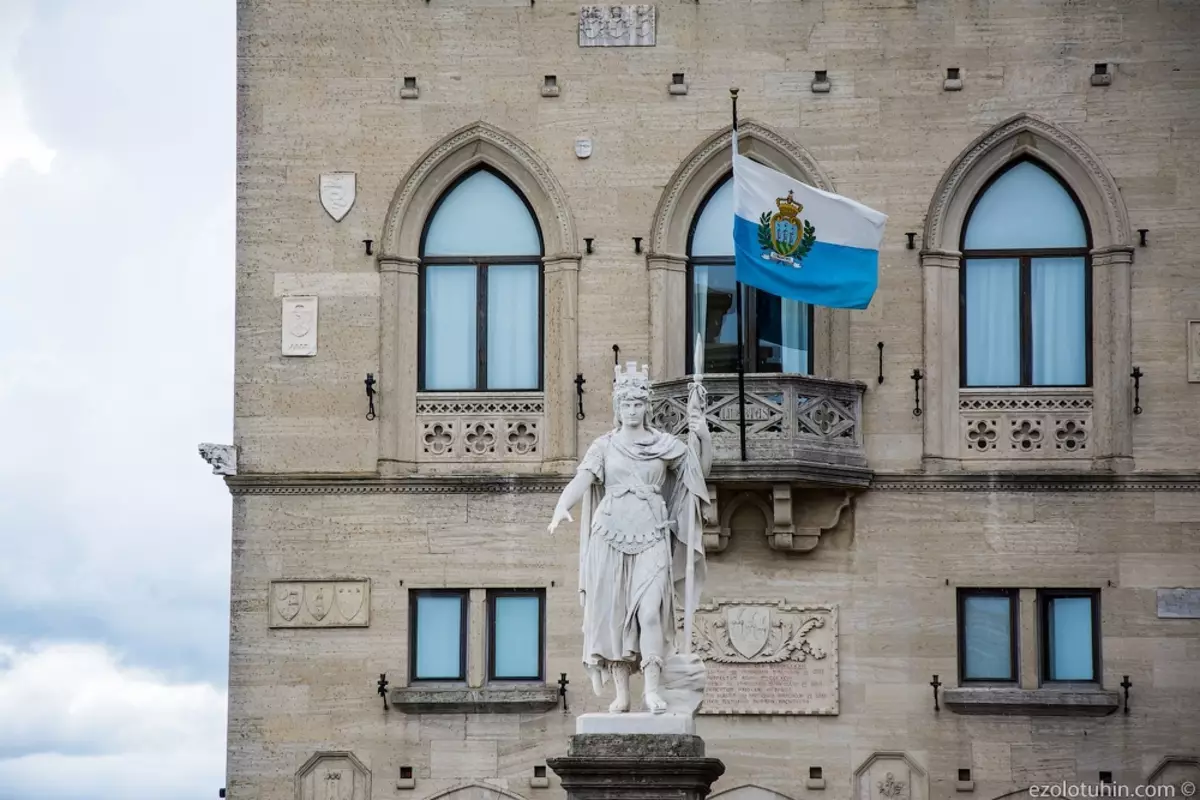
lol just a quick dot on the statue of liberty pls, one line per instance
(644, 496)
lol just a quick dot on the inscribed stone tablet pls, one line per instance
(1179, 603)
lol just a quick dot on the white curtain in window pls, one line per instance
(512, 327)
(1071, 639)
(450, 326)
(699, 312)
(1058, 318)
(794, 333)
(439, 637)
(987, 626)
(993, 322)
(518, 631)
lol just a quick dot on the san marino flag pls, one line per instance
(802, 243)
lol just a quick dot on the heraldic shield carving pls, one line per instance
(337, 193)
(320, 604)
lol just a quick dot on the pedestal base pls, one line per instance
(636, 766)
(636, 722)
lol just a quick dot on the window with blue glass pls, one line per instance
(481, 290)
(777, 333)
(516, 634)
(438, 635)
(1026, 284)
(987, 635)
(1070, 625)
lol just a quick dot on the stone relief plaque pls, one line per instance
(617, 26)
(767, 657)
(1179, 603)
(890, 776)
(333, 776)
(299, 326)
(320, 604)
(337, 191)
(1177, 771)
(1193, 350)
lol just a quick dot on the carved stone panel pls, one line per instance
(890, 776)
(457, 428)
(1179, 603)
(300, 326)
(1026, 424)
(617, 26)
(765, 657)
(337, 190)
(1193, 350)
(320, 604)
(334, 775)
(1177, 771)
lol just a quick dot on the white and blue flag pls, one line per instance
(802, 243)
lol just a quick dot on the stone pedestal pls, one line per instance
(636, 766)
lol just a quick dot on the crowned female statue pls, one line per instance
(640, 546)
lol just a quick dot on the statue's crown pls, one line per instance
(788, 207)
(632, 377)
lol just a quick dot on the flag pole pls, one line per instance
(741, 366)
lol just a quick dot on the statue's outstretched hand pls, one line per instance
(559, 515)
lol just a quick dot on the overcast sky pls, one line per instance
(116, 360)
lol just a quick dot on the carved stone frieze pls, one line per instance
(767, 657)
(890, 776)
(491, 427)
(333, 775)
(1026, 424)
(320, 604)
(617, 26)
(221, 457)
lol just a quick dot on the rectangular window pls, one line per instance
(1026, 321)
(987, 635)
(516, 640)
(1070, 634)
(481, 326)
(438, 635)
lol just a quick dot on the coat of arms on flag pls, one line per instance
(784, 236)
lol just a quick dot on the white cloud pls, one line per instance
(17, 139)
(79, 723)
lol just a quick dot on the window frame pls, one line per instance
(414, 598)
(481, 264)
(1044, 602)
(1025, 258)
(1014, 649)
(492, 596)
(748, 322)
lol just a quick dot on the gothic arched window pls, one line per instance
(1026, 284)
(776, 333)
(481, 290)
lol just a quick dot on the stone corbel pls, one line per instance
(801, 516)
(716, 536)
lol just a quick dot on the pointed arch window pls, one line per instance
(481, 289)
(1025, 286)
(777, 334)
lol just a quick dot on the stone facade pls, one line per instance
(879, 517)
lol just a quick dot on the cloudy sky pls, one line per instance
(116, 357)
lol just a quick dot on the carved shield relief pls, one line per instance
(318, 599)
(338, 190)
(350, 600)
(748, 627)
(287, 601)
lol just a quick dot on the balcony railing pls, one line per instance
(798, 428)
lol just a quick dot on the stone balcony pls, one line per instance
(799, 429)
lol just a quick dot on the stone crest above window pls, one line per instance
(1027, 307)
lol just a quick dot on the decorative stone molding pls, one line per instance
(1175, 771)
(1041, 702)
(1039, 482)
(703, 169)
(617, 26)
(474, 790)
(221, 457)
(319, 604)
(403, 442)
(749, 791)
(958, 434)
(1026, 423)
(333, 774)
(474, 428)
(519, 699)
(890, 775)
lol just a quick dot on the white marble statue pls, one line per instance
(640, 547)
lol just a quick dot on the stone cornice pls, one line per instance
(1038, 482)
(371, 483)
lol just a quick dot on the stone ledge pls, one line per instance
(1042, 702)
(521, 699)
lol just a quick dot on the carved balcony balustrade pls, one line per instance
(799, 429)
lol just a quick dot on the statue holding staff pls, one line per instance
(644, 495)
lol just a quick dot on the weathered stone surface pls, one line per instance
(636, 767)
(1031, 701)
(490, 700)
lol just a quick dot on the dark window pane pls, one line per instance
(987, 627)
(714, 313)
(782, 333)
